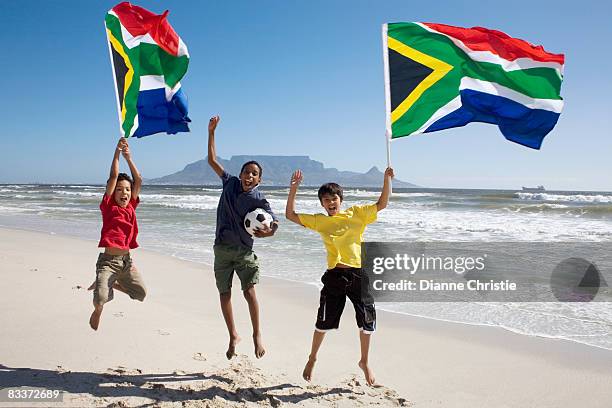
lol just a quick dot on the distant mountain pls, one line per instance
(277, 171)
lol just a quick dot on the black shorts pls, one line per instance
(338, 284)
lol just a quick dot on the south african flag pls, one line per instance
(149, 59)
(439, 76)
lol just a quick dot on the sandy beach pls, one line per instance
(169, 350)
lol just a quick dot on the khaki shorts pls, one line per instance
(230, 258)
(117, 268)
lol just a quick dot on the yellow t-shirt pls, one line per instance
(342, 233)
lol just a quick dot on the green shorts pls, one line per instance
(230, 258)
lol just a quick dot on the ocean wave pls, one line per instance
(573, 198)
(532, 319)
(531, 208)
(61, 210)
(14, 210)
(187, 206)
(313, 206)
(187, 202)
(78, 193)
(185, 197)
(376, 194)
(576, 211)
(415, 195)
(84, 186)
(351, 193)
(361, 193)
(430, 223)
(309, 191)
(305, 205)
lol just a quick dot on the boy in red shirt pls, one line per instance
(114, 269)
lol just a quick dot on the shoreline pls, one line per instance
(317, 286)
(273, 186)
(179, 328)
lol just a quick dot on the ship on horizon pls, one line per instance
(538, 188)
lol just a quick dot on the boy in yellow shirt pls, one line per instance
(342, 233)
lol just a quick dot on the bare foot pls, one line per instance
(231, 349)
(367, 371)
(307, 373)
(259, 348)
(94, 320)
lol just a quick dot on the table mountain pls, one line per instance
(277, 171)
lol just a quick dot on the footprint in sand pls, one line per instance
(121, 370)
(118, 370)
(163, 333)
(199, 357)
(118, 314)
(275, 402)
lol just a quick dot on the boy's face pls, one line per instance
(123, 193)
(331, 203)
(250, 177)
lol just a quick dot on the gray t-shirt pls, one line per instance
(234, 204)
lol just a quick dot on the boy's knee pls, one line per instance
(135, 289)
(249, 292)
(140, 294)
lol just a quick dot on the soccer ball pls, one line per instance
(258, 218)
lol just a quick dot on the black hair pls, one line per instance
(255, 163)
(331, 189)
(124, 176)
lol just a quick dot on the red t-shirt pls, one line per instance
(119, 225)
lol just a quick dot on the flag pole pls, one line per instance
(387, 95)
(110, 54)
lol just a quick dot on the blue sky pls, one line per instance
(294, 78)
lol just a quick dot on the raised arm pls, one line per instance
(290, 213)
(386, 190)
(212, 153)
(114, 170)
(127, 155)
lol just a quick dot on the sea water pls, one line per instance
(180, 221)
